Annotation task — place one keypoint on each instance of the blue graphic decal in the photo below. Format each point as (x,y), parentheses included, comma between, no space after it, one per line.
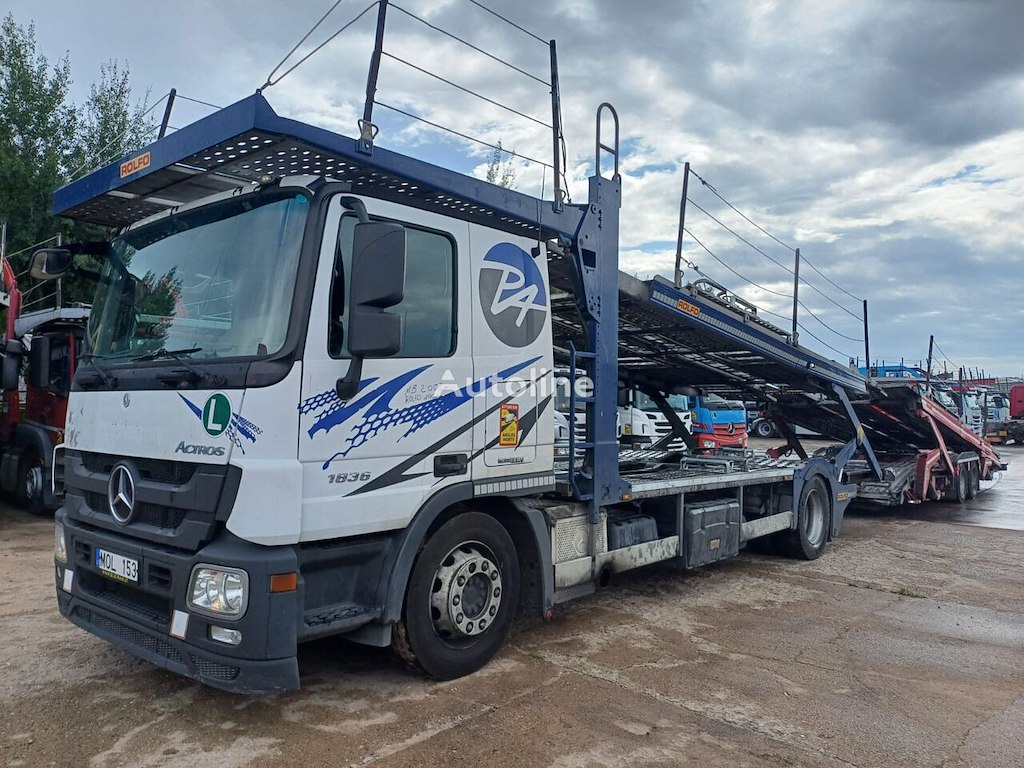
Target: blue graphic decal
(238,427)
(521,286)
(373,401)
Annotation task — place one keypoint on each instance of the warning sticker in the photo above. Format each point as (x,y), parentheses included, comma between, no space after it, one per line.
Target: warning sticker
(509,435)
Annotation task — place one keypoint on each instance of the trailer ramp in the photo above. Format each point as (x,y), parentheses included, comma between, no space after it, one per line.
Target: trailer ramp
(671,337)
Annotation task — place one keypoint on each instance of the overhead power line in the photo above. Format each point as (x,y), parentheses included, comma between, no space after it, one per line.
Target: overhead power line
(510,23)
(446,33)
(462,135)
(774,261)
(743,277)
(466,90)
(758,226)
(270,79)
(197,101)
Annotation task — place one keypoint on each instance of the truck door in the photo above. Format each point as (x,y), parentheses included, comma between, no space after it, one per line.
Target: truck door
(512,357)
(370,462)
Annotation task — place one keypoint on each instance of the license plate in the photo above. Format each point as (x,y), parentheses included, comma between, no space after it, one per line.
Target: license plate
(117,566)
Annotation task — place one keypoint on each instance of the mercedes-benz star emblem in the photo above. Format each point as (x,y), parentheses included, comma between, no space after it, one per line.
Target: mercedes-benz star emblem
(127,400)
(121,494)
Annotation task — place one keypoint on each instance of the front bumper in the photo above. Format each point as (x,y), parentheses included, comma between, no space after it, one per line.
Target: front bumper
(151,620)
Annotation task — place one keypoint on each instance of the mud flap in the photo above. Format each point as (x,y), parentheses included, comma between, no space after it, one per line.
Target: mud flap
(841,498)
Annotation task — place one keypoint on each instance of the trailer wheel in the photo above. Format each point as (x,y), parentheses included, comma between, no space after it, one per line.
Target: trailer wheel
(461,600)
(962,483)
(973,480)
(808,541)
(764,428)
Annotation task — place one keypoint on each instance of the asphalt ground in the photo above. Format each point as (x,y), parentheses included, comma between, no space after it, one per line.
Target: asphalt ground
(902,646)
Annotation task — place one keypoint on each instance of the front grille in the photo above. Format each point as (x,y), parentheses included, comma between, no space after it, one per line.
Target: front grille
(214,669)
(157,470)
(157,515)
(130,635)
(178,504)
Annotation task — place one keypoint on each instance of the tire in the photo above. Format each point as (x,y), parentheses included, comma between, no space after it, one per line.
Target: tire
(764,428)
(961,483)
(814,521)
(973,479)
(30,483)
(470,560)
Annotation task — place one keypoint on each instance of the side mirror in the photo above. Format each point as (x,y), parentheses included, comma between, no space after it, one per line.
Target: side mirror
(10,368)
(377,277)
(50,263)
(622,397)
(378,282)
(39,363)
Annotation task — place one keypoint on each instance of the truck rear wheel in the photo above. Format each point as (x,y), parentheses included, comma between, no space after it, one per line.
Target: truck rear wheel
(764,428)
(808,541)
(973,479)
(461,600)
(962,483)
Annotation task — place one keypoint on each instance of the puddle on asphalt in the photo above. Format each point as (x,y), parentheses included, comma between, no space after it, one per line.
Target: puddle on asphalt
(999,505)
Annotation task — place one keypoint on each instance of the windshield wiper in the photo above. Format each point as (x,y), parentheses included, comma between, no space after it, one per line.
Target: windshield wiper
(178,355)
(105,378)
(174,354)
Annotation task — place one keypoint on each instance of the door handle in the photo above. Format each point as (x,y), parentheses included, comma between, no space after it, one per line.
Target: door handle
(448,464)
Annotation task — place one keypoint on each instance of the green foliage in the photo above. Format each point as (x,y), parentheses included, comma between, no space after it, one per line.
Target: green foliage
(500,169)
(36,133)
(47,141)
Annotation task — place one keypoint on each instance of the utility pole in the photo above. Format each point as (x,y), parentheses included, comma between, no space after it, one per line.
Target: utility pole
(556,127)
(867,345)
(682,223)
(796,293)
(167,113)
(928,371)
(367,130)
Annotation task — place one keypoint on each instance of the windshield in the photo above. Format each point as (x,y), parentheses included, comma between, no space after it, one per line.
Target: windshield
(717,403)
(215,282)
(645,403)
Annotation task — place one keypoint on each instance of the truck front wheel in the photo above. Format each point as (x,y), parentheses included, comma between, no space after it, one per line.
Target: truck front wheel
(461,599)
(30,483)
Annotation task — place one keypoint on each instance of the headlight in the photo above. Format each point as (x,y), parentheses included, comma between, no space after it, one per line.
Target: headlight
(222,592)
(60,546)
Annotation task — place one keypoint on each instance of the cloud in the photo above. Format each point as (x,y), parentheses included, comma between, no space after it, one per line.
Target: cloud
(881,138)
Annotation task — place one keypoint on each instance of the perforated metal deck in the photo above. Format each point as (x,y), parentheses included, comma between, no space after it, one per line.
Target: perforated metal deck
(248,143)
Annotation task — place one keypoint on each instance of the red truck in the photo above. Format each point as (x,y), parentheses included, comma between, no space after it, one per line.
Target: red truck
(35,395)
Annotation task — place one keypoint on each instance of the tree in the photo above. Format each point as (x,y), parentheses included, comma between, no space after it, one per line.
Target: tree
(500,169)
(109,127)
(46,141)
(36,129)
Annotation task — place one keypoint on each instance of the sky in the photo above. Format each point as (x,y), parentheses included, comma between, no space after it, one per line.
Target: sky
(883,139)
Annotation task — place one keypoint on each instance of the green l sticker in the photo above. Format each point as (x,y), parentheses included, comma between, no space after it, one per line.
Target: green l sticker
(216,414)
